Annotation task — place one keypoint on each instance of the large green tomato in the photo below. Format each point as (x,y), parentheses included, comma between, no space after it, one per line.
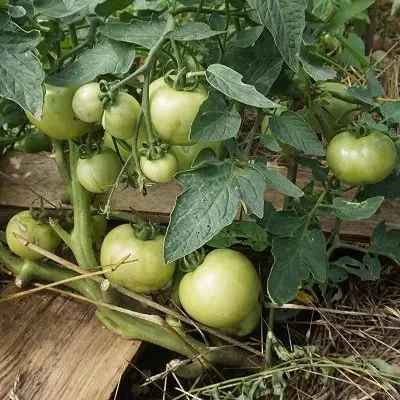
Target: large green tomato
(172,112)
(58,118)
(360,161)
(144,271)
(119,120)
(38,233)
(335,112)
(87,104)
(99,172)
(222,291)
(187,154)
(160,170)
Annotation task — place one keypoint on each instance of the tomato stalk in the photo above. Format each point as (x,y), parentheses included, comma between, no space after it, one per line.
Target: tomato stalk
(182,10)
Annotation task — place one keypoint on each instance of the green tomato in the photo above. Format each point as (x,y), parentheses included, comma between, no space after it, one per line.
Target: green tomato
(119,120)
(144,271)
(38,233)
(335,112)
(172,112)
(34,142)
(360,161)
(108,142)
(187,154)
(87,104)
(247,324)
(98,172)
(160,170)
(58,118)
(222,291)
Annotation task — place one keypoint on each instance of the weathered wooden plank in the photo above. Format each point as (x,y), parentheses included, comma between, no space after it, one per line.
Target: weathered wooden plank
(60,350)
(38,171)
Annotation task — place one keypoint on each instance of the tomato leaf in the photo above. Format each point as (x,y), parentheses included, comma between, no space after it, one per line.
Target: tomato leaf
(108,57)
(295,258)
(229,82)
(146,34)
(214,121)
(285,19)
(21,73)
(270,143)
(348,211)
(391,111)
(107,7)
(291,128)
(319,172)
(346,57)
(368,270)
(276,180)
(389,188)
(386,242)
(285,224)
(248,37)
(260,64)
(318,71)
(243,233)
(209,203)
(325,8)
(61,8)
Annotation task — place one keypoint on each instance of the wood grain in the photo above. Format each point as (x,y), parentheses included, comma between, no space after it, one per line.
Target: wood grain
(39,172)
(60,350)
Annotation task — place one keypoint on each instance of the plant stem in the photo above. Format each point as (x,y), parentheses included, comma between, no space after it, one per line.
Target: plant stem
(81,236)
(189,9)
(72,35)
(58,146)
(146,108)
(292,176)
(95,22)
(252,134)
(268,340)
(35,25)
(199,10)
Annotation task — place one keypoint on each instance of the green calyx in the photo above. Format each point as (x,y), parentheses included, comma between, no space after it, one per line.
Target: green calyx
(144,230)
(193,260)
(154,151)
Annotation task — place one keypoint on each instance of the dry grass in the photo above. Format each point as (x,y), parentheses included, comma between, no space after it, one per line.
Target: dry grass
(367,341)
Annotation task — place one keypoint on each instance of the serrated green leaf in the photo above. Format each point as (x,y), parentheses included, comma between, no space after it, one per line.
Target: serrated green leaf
(61,8)
(294,260)
(361,93)
(391,111)
(277,181)
(291,129)
(318,71)
(259,64)
(248,37)
(386,242)
(368,270)
(229,82)
(285,224)
(215,121)
(26,4)
(374,87)
(209,203)
(243,233)
(108,57)
(285,19)
(348,211)
(108,7)
(21,73)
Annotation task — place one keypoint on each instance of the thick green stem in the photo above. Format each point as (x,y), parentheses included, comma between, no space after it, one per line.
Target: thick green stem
(254,130)
(269,338)
(292,176)
(72,35)
(233,13)
(81,237)
(58,146)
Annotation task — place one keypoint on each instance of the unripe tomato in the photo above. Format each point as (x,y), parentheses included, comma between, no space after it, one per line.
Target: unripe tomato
(58,118)
(222,291)
(144,271)
(87,104)
(99,172)
(361,160)
(172,112)
(187,154)
(119,120)
(247,324)
(38,233)
(160,170)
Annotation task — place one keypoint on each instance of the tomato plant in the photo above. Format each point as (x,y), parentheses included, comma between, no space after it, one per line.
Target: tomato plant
(58,119)
(144,271)
(361,160)
(37,232)
(86,102)
(158,84)
(98,172)
(222,291)
(173,111)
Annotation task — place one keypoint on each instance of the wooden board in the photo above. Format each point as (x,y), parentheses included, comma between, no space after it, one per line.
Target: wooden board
(38,171)
(59,349)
